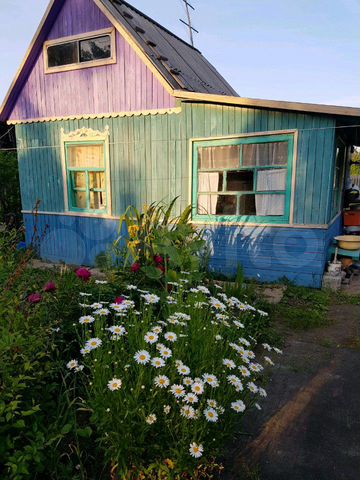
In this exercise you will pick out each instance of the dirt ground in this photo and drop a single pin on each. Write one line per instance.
(309, 427)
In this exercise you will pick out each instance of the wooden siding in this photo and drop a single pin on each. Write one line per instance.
(127, 85)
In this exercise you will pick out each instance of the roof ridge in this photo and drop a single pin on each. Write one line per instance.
(139, 12)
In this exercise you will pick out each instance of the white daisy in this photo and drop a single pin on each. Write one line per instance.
(252, 387)
(162, 381)
(165, 352)
(229, 363)
(211, 403)
(117, 330)
(211, 380)
(131, 287)
(170, 336)
(183, 369)
(83, 294)
(238, 406)
(157, 329)
(244, 342)
(238, 324)
(277, 350)
(86, 319)
(188, 381)
(142, 357)
(267, 347)
(187, 411)
(197, 387)
(177, 390)
(167, 409)
(262, 392)
(196, 450)
(244, 371)
(235, 382)
(150, 419)
(211, 414)
(96, 305)
(257, 406)
(269, 361)
(150, 298)
(93, 343)
(101, 282)
(151, 337)
(114, 384)
(203, 289)
(191, 398)
(103, 312)
(72, 364)
(157, 362)
(85, 351)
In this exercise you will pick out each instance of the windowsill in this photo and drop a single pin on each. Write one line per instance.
(240, 220)
(80, 66)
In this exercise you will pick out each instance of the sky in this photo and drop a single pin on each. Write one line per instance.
(299, 50)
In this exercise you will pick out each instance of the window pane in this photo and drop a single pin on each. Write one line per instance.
(271, 204)
(79, 199)
(63, 54)
(265, 154)
(219, 157)
(274, 179)
(217, 204)
(79, 179)
(247, 205)
(97, 200)
(240, 181)
(210, 182)
(86, 156)
(95, 48)
(97, 180)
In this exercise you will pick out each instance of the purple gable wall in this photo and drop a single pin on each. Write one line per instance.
(127, 85)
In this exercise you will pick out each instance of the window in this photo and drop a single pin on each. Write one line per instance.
(80, 51)
(243, 179)
(86, 171)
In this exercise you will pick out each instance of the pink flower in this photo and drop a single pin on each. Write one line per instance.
(158, 259)
(119, 300)
(135, 267)
(83, 273)
(35, 298)
(50, 287)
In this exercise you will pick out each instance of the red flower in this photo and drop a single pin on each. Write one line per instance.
(119, 300)
(35, 298)
(158, 259)
(50, 287)
(83, 273)
(135, 267)
(161, 267)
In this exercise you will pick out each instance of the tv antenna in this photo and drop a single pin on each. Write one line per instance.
(188, 23)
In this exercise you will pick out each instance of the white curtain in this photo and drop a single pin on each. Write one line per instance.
(271, 204)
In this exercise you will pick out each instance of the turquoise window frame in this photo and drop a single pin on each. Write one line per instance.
(276, 219)
(86, 170)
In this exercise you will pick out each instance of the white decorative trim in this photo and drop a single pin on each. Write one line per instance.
(85, 134)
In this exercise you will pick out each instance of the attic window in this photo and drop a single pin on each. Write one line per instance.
(80, 51)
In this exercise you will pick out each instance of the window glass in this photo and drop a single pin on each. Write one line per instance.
(227, 156)
(97, 180)
(95, 48)
(270, 205)
(62, 54)
(97, 200)
(87, 156)
(217, 204)
(78, 179)
(240, 181)
(80, 199)
(210, 181)
(247, 205)
(265, 154)
(271, 179)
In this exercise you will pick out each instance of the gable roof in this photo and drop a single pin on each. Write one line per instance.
(176, 63)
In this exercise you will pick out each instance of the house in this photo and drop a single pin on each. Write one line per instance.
(111, 109)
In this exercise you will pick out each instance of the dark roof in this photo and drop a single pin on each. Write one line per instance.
(183, 66)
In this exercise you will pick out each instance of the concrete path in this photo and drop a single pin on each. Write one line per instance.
(309, 428)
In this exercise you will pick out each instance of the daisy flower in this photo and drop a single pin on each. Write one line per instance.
(162, 381)
(165, 352)
(114, 384)
(170, 336)
(229, 363)
(235, 382)
(167, 409)
(117, 330)
(257, 406)
(211, 415)
(211, 380)
(188, 381)
(83, 294)
(211, 403)
(157, 329)
(151, 337)
(196, 450)
(203, 289)
(252, 387)
(177, 390)
(150, 298)
(191, 398)
(158, 362)
(238, 324)
(102, 312)
(238, 406)
(131, 287)
(142, 357)
(187, 411)
(244, 371)
(96, 305)
(72, 364)
(244, 342)
(217, 304)
(93, 343)
(86, 319)
(101, 282)
(85, 351)
(269, 361)
(197, 387)
(267, 347)
(262, 392)
(255, 367)
(150, 419)
(277, 350)
(183, 369)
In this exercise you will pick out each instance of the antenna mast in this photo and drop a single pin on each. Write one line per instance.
(188, 23)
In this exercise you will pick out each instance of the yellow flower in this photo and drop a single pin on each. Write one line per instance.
(169, 463)
(133, 230)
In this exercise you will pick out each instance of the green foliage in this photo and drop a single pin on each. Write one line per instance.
(10, 201)
(355, 169)
(159, 244)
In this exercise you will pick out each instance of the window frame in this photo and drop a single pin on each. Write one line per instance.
(83, 137)
(261, 137)
(78, 38)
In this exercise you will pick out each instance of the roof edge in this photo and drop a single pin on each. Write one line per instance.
(270, 104)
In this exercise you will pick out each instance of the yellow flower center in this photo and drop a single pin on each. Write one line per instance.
(142, 357)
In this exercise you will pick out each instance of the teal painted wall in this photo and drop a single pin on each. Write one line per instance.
(149, 155)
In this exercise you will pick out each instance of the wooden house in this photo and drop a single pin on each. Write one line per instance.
(111, 109)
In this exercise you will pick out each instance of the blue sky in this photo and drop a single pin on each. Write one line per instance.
(300, 50)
